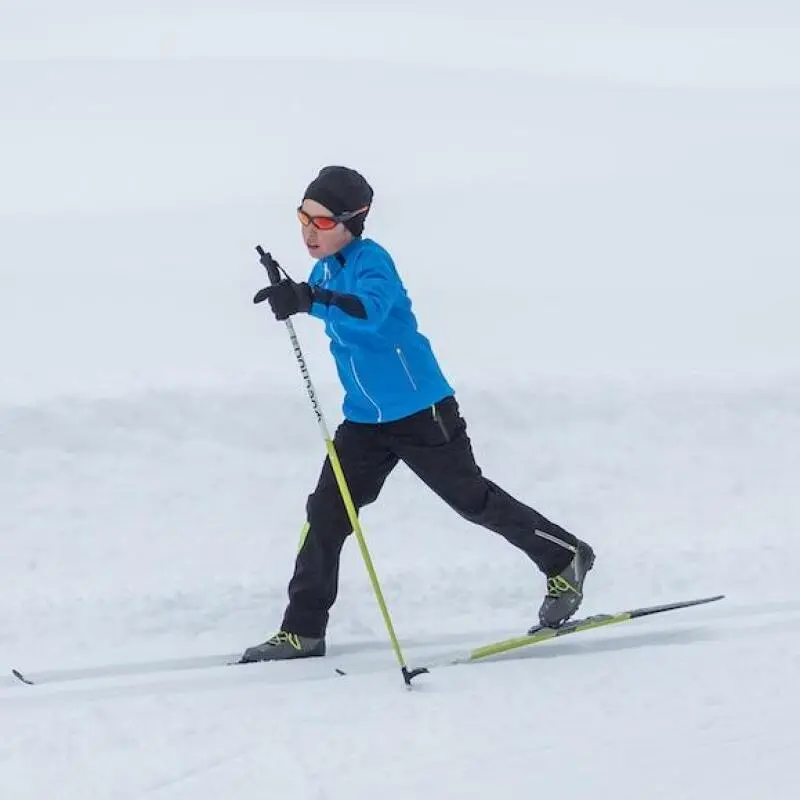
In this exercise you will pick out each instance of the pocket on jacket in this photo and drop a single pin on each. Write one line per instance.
(435, 426)
(404, 364)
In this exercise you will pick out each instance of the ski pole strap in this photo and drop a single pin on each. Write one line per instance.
(270, 265)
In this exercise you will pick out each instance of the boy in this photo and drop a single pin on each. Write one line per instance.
(398, 406)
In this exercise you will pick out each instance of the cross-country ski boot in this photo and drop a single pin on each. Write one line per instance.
(284, 646)
(565, 589)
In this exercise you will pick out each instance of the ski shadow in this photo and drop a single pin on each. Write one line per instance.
(619, 642)
(381, 643)
(741, 610)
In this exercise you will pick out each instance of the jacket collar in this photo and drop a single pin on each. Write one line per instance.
(344, 254)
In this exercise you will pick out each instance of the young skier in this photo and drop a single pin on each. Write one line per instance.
(398, 406)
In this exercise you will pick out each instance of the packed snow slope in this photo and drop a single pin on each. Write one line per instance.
(594, 207)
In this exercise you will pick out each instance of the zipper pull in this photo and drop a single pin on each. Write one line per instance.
(440, 422)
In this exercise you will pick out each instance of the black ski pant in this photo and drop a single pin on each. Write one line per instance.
(435, 445)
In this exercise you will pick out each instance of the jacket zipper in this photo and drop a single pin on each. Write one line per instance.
(363, 390)
(355, 375)
(405, 367)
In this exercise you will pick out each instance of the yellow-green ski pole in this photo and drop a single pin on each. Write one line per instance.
(408, 674)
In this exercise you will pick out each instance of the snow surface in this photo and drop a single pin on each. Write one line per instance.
(594, 207)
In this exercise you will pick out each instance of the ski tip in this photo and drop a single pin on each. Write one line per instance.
(19, 676)
(340, 671)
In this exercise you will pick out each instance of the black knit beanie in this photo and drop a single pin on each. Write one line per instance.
(340, 190)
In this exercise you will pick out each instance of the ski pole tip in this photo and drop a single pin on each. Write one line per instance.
(410, 674)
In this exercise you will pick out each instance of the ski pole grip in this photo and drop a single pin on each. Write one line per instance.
(270, 265)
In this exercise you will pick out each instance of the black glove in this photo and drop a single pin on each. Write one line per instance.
(286, 298)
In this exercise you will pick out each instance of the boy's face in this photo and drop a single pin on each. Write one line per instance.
(321, 244)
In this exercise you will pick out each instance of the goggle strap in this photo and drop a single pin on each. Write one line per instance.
(336, 219)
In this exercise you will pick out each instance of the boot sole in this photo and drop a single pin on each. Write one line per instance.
(317, 652)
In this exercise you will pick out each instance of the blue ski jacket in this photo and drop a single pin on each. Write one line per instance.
(386, 366)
